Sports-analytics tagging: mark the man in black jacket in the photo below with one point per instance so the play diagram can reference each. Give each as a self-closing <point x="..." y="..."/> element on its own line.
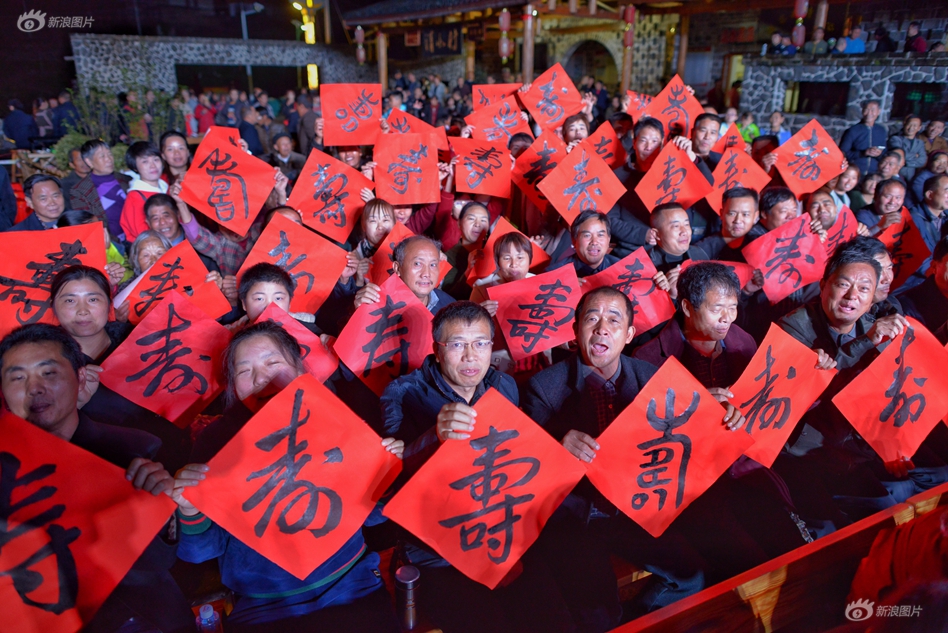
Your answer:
<point x="590" y="233"/>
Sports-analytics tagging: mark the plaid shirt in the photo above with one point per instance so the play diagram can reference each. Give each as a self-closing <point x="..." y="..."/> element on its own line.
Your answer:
<point x="229" y="255"/>
<point x="603" y="393"/>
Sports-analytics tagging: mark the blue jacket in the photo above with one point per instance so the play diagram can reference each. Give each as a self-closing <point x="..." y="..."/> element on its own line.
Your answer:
<point x="857" y="139"/>
<point x="19" y="127"/>
<point x="7" y="201"/>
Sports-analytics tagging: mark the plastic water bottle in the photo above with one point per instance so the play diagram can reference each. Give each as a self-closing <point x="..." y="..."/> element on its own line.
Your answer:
<point x="209" y="621"/>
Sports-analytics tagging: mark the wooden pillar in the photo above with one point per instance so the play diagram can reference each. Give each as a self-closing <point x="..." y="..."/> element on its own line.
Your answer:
<point x="573" y="6"/>
<point x="470" y="49"/>
<point x="593" y="7"/>
<point x="526" y="58"/>
<point x="382" y="45"/>
<point x="626" y="70"/>
<point x="683" y="28"/>
<point x="819" y="18"/>
<point x="327" y="27"/>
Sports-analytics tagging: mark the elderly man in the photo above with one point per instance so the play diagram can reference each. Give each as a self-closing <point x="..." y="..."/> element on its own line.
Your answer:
<point x="672" y="245"/>
<point x="863" y="143"/>
<point x="929" y="216"/>
<point x="42" y="371"/>
<point x="886" y="207"/>
<point x="102" y="192"/>
<point x="438" y="403"/>
<point x="417" y="261"/>
<point x="44" y="195"/>
<point x="590" y="232"/>
<point x="932" y="137"/>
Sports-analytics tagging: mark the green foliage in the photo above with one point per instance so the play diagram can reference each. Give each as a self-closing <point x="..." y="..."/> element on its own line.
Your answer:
<point x="71" y="140"/>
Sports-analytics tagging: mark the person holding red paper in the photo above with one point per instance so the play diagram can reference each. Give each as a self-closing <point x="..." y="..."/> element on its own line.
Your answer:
<point x="437" y="403"/>
<point x="416" y="260"/>
<point x="345" y="593"/>
<point x="574" y="401"/>
<point x="886" y="208"/>
<point x="143" y="158"/>
<point x="474" y="223"/>
<point x="590" y="233"/>
<point x="778" y="206"/>
<point x="43" y="374"/>
<point x="739" y="216"/>
<point x="928" y="301"/>
<point x="672" y="245"/>
<point x="704" y="136"/>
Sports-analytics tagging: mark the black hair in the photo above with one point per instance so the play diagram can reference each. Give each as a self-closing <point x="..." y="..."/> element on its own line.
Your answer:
<point x="772" y="196"/>
<point x="44" y="333"/>
<point x="264" y="272"/>
<point x="660" y="210"/>
<point x="519" y="137"/>
<point x="647" y="121"/>
<point x="89" y="148"/>
<point x="740" y="192"/>
<point x="278" y="137"/>
<point x="288" y="345"/>
<point x="620" y="117"/>
<point x="889" y="153"/>
<point x="36" y="179"/>
<point x="844" y="256"/>
<point x="869" y="246"/>
<point x="512" y="240"/>
<point x="585" y="216"/>
<point x="466" y="312"/>
<point x="941" y="250"/>
<point x="932" y="183"/>
<point x="696" y="280"/>
<point x="572" y="119"/>
<point x="890" y="182"/>
<point x="398" y="254"/>
<point x="768" y="138"/>
<point x="608" y="291"/>
<point x="160" y="200"/>
<point x="140" y="149"/>
<point x="170" y="134"/>
<point x="16" y="104"/>
<point x="76" y="217"/>
<point x="262" y="111"/>
<point x="866" y="103"/>
<point x="470" y="205"/>
<point x="75" y="273"/>
<point x="706" y="116"/>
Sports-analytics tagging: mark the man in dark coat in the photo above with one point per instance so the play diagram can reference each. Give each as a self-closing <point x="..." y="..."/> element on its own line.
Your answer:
<point x="19" y="126"/>
<point x="590" y="233"/>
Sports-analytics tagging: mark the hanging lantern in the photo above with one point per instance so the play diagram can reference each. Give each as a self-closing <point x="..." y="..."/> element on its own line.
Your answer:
<point x="504" y="21"/>
<point x="800" y="7"/>
<point x="505" y="45"/>
<point x="360" y="49"/>
<point x="360" y="54"/>
<point x="798" y="35"/>
<point x="628" y="38"/>
<point x="359" y="35"/>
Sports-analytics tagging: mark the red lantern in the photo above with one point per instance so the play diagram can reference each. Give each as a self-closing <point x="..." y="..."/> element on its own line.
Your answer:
<point x="506" y="47"/>
<point x="629" y="14"/>
<point x="360" y="54"/>
<point x="798" y="36"/>
<point x="359" y="35"/>
<point x="504" y="21"/>
<point x="628" y="38"/>
<point x="800" y="8"/>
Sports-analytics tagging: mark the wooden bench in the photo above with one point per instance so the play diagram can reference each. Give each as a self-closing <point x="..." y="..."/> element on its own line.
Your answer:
<point x="803" y="590"/>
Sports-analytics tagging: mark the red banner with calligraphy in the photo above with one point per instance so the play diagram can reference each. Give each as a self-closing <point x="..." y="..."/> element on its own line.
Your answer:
<point x="536" y="314"/>
<point x="171" y="363"/>
<point x="673" y="177"/>
<point x="382" y="262"/>
<point x="486" y="94"/>
<point x="676" y="108"/>
<point x="450" y="502"/>
<point x="582" y="181"/>
<point x="744" y="272"/>
<point x="178" y="269"/>
<point x="319" y="360"/>
<point x="72" y="525"/>
<point x="637" y="104"/>
<point x="225" y="183"/>
<point x="607" y="146"/>
<point x="405" y="123"/>
<point x="731" y="139"/>
<point x="311" y="260"/>
<point x="775" y="390"/>
<point x="899" y="398"/>
<point x="535" y="164"/>
<point x="483" y="168"/>
<point x="386" y="339"/>
<point x="735" y="169"/>
<point x="298" y="480"/>
<point x="789" y="257"/>
<point x="351" y="113"/>
<point x="842" y="231"/>
<point x="328" y="195"/>
<point x="486" y="265"/>
<point x="498" y="121"/>
<point x="552" y="98"/>
<point x="653" y="471"/>
<point x="809" y="159"/>
<point x="632" y="276"/>
<point x="407" y="169"/>
<point x="906" y="246"/>
<point x="32" y="260"/>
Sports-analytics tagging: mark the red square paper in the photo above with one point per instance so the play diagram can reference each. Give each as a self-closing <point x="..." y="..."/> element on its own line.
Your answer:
<point x="581" y="182"/>
<point x="407" y="171"/>
<point x="486" y="94"/>
<point x="907" y="248"/>
<point x="225" y="183"/>
<point x="632" y="276"/>
<point x="789" y="257"/>
<point x="552" y="98"/>
<point x="328" y="195"/>
<point x="482" y="502"/>
<point x="383" y="261"/>
<point x="639" y="102"/>
<point x="60" y="496"/>
<point x="319" y="360"/>
<point x="298" y="480"/>
<point x="809" y="159"/>
<point x="498" y="121"/>
<point x="351" y="113"/>
<point x="171" y="363"/>
<point x="32" y="259"/>
<point x="537" y="313"/>
<point x="405" y="123"/>
<point x="900" y="397"/>
<point x="673" y="177"/>
<point x="735" y="169"/>
<point x="386" y="339"/>
<point x="775" y="390"/>
<point x="311" y="260"/>
<point x="483" y="168"/>
<point x="607" y="146"/>
<point x="731" y="139"/>
<point x="676" y="108"/>
<point x="535" y="164"/>
<point x="842" y="231"/>
<point x="665" y="450"/>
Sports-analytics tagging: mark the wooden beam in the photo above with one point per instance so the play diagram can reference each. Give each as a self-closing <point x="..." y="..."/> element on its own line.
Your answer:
<point x="683" y="28"/>
<point x="607" y="14"/>
<point x="717" y="6"/>
<point x="592" y="28"/>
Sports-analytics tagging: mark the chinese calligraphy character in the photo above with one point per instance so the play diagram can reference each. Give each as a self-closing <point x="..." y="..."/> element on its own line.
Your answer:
<point x="388" y="325"/>
<point x="548" y="103"/>
<point x="765" y="409"/>
<point x="165" y="359"/>
<point x="41" y="279"/>
<point x="487" y="483"/>
<point x="402" y="126"/>
<point x="282" y="478"/>
<point x="660" y="452"/>
<point x="540" y="315"/>
<point x="223" y="180"/>
<point x="899" y="254"/>
<point x="405" y="166"/>
<point x="582" y="187"/>
<point x="329" y="193"/>
<point x="482" y="99"/>
<point x="670" y="184"/>
<point x="602" y="149"/>
<point x="504" y="121"/>
<point x="627" y="282"/>
<point x="282" y="251"/>
<point x="24" y="576"/>
<point x="482" y="163"/>
<point x="679" y="119"/>
<point x="731" y="180"/>
<point x="361" y="110"/>
<point x="807" y="167"/>
<point x="900" y="405"/>
<point x="833" y="240"/>
<point x="164" y="282"/>
<point x="542" y="166"/>
<point x="784" y="257"/>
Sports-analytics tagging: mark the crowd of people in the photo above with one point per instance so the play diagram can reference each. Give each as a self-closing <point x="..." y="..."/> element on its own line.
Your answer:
<point x="825" y="478"/>
<point x="856" y="42"/>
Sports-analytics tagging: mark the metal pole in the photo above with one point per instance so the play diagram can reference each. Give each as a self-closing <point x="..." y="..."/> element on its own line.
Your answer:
<point x="683" y="29"/>
<point x="243" y="26"/>
<point x="526" y="69"/>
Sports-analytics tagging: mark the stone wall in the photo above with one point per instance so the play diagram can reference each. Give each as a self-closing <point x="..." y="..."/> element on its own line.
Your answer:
<point x="765" y="84"/>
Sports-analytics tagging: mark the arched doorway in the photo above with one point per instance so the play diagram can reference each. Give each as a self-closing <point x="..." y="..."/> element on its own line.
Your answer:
<point x="592" y="58"/>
